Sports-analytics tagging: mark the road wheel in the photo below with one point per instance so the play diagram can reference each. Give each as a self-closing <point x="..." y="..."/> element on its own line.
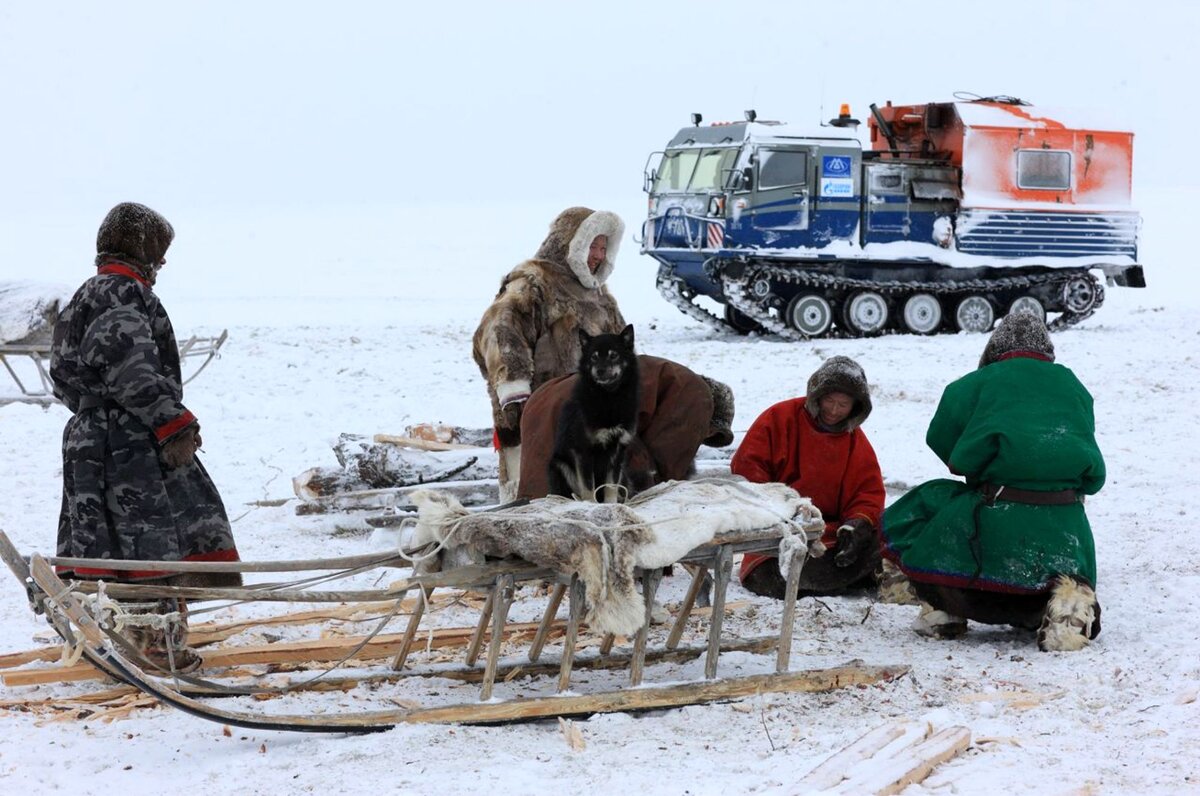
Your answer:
<point x="739" y="321"/>
<point x="1079" y="294"/>
<point x="866" y="313"/>
<point x="810" y="314"/>
<point x="1028" y="304"/>
<point x="975" y="314"/>
<point x="922" y="313"/>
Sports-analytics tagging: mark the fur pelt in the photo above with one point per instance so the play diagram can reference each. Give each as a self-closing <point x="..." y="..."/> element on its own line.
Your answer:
<point x="134" y="234"/>
<point x="844" y="375"/>
<point x="605" y="542"/>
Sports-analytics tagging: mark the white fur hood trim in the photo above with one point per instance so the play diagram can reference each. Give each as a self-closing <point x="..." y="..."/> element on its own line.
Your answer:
<point x="602" y="222"/>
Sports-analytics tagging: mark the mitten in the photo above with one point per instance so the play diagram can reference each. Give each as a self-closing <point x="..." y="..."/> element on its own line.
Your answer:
<point x="853" y="539"/>
<point x="181" y="448"/>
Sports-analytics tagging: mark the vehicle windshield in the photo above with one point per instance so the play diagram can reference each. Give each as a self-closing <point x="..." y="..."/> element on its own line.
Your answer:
<point x="694" y="170"/>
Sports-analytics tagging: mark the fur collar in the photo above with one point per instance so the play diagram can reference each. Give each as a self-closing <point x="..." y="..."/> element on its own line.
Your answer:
<point x="601" y="222"/>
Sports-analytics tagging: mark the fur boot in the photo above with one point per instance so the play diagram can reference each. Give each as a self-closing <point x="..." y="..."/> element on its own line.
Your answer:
<point x="1072" y="617"/>
<point x="163" y="641"/>
<point x="894" y="586"/>
<point x="938" y="624"/>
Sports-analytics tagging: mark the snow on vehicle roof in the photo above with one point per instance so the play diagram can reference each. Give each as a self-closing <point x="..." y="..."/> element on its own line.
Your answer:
<point x="991" y="114"/>
<point x="734" y="133"/>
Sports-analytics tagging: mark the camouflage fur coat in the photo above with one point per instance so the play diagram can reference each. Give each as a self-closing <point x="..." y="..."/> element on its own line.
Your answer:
<point x="115" y="365"/>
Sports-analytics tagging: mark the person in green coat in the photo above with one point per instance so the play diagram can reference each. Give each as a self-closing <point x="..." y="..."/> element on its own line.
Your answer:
<point x="1011" y="543"/>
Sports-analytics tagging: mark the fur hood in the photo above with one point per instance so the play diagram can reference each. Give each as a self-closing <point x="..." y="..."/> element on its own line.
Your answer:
<point x="134" y="234"/>
<point x="570" y="237"/>
<point x="840" y="374"/>
<point x="1018" y="331"/>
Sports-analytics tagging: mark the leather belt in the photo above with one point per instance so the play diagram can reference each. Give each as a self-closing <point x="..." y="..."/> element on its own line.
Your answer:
<point x="1063" y="497"/>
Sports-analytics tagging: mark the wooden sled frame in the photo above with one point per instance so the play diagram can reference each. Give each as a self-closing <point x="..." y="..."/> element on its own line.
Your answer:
<point x="73" y="618"/>
<point x="39" y="354"/>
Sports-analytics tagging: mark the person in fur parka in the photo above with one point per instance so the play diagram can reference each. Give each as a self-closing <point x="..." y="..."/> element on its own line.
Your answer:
<point x="1010" y="544"/>
<point x="529" y="334"/>
<point x="815" y="445"/>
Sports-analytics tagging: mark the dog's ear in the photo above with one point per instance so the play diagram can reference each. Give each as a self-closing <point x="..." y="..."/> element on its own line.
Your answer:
<point x="627" y="336"/>
<point x="585" y="339"/>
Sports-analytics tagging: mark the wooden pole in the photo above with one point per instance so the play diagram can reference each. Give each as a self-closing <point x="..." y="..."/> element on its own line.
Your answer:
<point x="574" y="612"/>
<point x="661" y="697"/>
<point x="689" y="599"/>
<point x="485" y="617"/>
<point x="410" y="632"/>
<point x="788" y="621"/>
<point x="503" y="599"/>
<point x="722" y="568"/>
<point x="650" y="580"/>
<point x="539" y="640"/>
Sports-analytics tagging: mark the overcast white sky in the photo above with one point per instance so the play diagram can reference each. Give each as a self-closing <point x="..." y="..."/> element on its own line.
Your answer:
<point x="300" y="102"/>
<point x="259" y="109"/>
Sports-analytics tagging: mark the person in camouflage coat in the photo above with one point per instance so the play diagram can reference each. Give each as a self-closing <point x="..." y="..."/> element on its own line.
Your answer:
<point x="132" y="485"/>
<point x="1011" y="543"/>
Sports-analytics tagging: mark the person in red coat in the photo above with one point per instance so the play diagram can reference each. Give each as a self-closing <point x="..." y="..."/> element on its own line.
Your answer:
<point x="814" y="445"/>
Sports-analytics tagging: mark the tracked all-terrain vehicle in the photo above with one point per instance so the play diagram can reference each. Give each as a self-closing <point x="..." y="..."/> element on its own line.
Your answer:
<point x="957" y="213"/>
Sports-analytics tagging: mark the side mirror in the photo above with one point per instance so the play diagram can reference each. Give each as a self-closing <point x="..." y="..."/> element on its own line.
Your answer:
<point x="648" y="179"/>
<point x="747" y="181"/>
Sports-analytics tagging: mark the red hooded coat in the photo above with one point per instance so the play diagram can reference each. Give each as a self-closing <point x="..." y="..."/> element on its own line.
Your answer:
<point x="837" y="470"/>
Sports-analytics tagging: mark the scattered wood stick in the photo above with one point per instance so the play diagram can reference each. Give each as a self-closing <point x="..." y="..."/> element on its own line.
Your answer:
<point x="422" y="444"/>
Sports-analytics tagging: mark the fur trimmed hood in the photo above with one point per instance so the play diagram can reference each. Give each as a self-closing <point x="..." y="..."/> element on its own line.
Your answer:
<point x="840" y="374"/>
<point x="570" y="237"/>
<point x="1018" y="331"/>
<point x="134" y="234"/>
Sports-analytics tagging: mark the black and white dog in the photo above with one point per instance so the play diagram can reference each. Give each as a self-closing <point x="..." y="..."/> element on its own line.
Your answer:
<point x="598" y="422"/>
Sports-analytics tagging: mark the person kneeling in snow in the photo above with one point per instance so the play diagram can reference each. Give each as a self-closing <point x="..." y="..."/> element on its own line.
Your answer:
<point x="529" y="336"/>
<point x="814" y="445"/>
<point x="132" y="485"/>
<point x="1011" y="544"/>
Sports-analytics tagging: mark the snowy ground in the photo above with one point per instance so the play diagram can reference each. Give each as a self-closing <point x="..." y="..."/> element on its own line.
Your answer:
<point x="371" y="344"/>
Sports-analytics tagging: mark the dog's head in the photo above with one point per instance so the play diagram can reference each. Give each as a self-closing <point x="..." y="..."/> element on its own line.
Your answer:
<point x="606" y="358"/>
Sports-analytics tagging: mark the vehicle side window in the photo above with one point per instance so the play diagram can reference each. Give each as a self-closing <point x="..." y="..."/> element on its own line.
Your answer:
<point x="887" y="182"/>
<point x="1044" y="169"/>
<point x="779" y="168"/>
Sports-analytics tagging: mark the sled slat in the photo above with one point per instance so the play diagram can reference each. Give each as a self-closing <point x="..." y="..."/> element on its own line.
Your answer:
<point x="650" y="581"/>
<point x="788" y="621"/>
<point x="502" y="599"/>
<point x="722" y="567"/>
<point x="485" y="617"/>
<point x="685" y="609"/>
<point x="410" y="632"/>
<point x="539" y="640"/>
<point x="574" y="613"/>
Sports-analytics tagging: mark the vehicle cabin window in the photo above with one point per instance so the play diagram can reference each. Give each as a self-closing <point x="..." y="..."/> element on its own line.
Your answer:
<point x="887" y="182"/>
<point x="780" y="168"/>
<point x="1044" y="169"/>
<point x="675" y="171"/>
<point x="711" y="170"/>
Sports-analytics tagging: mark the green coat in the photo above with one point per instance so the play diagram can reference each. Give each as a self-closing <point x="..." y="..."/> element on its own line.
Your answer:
<point x="1020" y="422"/>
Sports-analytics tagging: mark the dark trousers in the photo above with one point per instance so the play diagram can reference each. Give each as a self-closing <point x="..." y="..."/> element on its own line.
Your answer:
<point x="991" y="608"/>
<point x="820" y="577"/>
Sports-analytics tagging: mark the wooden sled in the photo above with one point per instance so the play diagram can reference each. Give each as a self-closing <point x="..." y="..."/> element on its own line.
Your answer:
<point x="75" y="619"/>
<point x="202" y="349"/>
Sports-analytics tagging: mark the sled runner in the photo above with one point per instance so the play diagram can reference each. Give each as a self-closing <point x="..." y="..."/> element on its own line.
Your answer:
<point x="200" y="349"/>
<point x="78" y="614"/>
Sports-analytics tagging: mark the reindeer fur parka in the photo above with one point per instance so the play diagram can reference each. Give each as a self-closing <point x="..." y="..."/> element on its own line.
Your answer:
<point x="529" y="334"/>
